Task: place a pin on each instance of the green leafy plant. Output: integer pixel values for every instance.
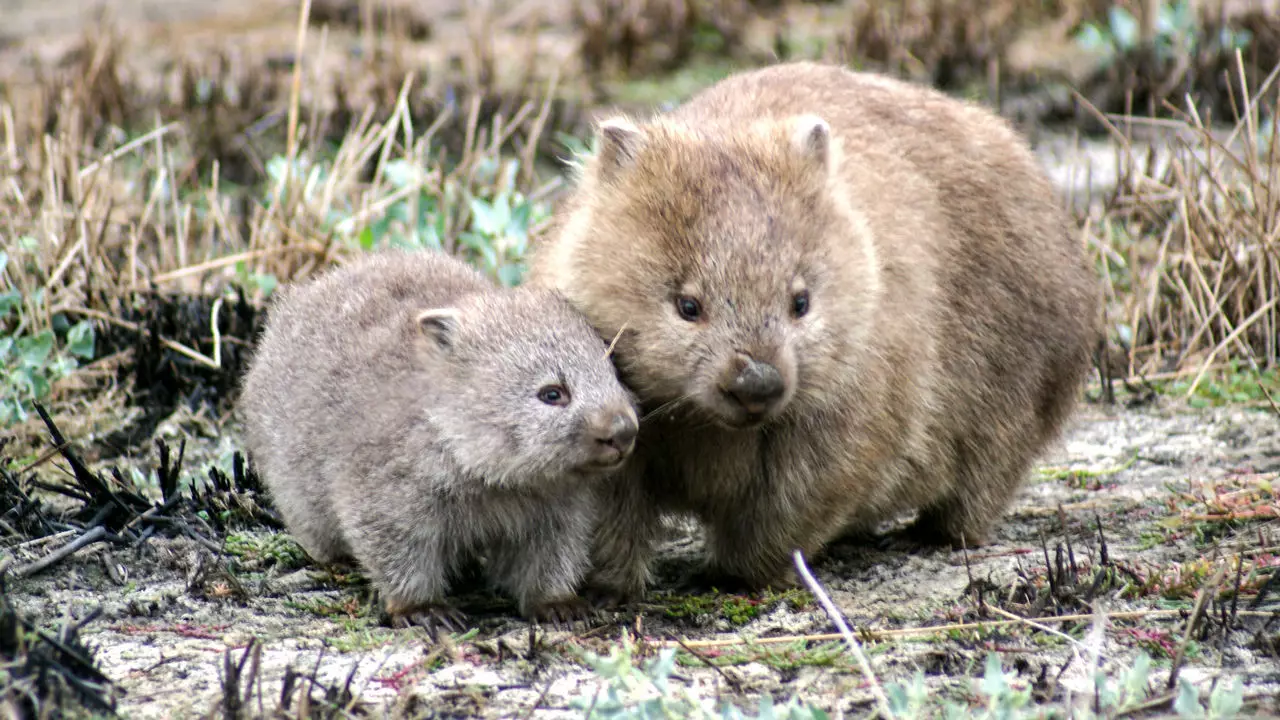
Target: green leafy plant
(481, 216)
(1126, 694)
(31, 361)
(1178, 30)
(627, 691)
(269, 548)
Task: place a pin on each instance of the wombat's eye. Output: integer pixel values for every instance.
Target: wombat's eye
(800, 303)
(688, 308)
(554, 395)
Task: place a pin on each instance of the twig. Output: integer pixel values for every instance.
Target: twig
(135, 327)
(230, 260)
(295, 87)
(935, 629)
(609, 350)
(834, 613)
(737, 686)
(528, 713)
(88, 538)
(1034, 624)
(128, 147)
(1202, 597)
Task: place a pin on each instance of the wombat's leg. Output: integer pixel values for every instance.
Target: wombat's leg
(410, 571)
(307, 513)
(965, 517)
(629, 525)
(750, 550)
(751, 540)
(544, 557)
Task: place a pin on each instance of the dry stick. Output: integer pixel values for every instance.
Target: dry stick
(295, 90)
(88, 538)
(834, 613)
(1032, 623)
(1227, 340)
(229, 260)
(1202, 597)
(935, 629)
(128, 147)
(733, 683)
(609, 350)
(172, 345)
(539, 125)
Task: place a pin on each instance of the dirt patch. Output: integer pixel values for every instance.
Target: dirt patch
(171, 615)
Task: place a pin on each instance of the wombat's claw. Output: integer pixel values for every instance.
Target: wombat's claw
(565, 612)
(433, 618)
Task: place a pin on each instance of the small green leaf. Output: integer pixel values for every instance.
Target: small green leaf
(80, 340)
(1226, 699)
(9, 301)
(35, 349)
(267, 282)
(1124, 27)
(365, 238)
(400, 173)
(485, 218)
(1135, 681)
(511, 274)
(37, 384)
(993, 681)
(1187, 704)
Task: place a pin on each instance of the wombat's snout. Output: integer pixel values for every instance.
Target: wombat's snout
(612, 434)
(756, 388)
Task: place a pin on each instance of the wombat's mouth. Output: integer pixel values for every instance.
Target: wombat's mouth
(601, 466)
(744, 420)
(731, 414)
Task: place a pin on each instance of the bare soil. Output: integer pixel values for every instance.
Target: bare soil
(163, 633)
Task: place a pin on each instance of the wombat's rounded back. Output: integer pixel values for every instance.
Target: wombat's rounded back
(329, 344)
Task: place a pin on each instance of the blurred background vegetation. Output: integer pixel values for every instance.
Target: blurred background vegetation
(165, 166)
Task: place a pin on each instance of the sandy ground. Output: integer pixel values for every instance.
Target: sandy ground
(163, 640)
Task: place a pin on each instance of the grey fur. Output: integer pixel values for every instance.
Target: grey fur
(405, 445)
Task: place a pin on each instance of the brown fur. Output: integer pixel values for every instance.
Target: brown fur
(407, 439)
(948, 328)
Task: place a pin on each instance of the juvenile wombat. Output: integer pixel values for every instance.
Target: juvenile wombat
(842, 297)
(404, 411)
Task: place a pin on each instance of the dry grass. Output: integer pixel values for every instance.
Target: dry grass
(947, 43)
(1187, 249)
(122, 193)
(639, 37)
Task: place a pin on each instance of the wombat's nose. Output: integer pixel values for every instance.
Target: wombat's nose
(617, 432)
(757, 386)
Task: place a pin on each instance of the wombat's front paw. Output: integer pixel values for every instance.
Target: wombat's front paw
(433, 617)
(563, 612)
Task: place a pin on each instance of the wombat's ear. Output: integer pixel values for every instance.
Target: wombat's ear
(811, 135)
(439, 325)
(620, 141)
